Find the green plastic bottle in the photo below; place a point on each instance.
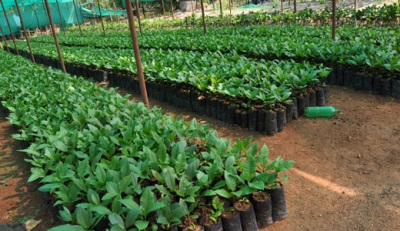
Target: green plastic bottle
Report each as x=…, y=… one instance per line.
x=316, y=112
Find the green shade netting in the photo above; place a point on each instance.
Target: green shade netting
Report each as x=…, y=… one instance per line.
x=34, y=14
x=88, y=13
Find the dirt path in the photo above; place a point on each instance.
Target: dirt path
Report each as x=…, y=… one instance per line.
x=19, y=201
x=346, y=176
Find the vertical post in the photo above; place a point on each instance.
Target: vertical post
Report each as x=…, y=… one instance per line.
x=355, y=4
x=333, y=19
x=101, y=18
x=295, y=5
x=172, y=9
x=9, y=27
x=136, y=50
x=138, y=16
x=204, y=19
x=77, y=17
x=61, y=19
x=191, y=4
x=47, y=16
x=220, y=6
x=115, y=10
x=109, y=14
x=25, y=32
x=230, y=7
x=55, y=36
x=163, y=8
x=4, y=39
x=37, y=17
x=281, y=6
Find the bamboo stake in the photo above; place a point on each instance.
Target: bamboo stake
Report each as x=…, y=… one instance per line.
x=101, y=18
x=172, y=9
x=204, y=19
x=61, y=20
x=55, y=36
x=25, y=32
x=115, y=10
x=333, y=19
x=163, y=8
x=136, y=50
x=9, y=27
x=77, y=17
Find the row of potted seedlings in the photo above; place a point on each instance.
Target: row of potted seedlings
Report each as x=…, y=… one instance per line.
x=375, y=82
x=243, y=112
x=111, y=163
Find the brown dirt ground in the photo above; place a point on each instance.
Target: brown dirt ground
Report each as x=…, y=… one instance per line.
x=346, y=176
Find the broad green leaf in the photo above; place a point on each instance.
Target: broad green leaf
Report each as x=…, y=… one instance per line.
x=67, y=228
x=141, y=225
x=60, y=145
x=84, y=217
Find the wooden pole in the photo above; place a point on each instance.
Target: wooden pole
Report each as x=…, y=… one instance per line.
x=37, y=17
x=136, y=50
x=230, y=7
x=138, y=17
x=9, y=27
x=101, y=18
x=282, y=6
x=115, y=10
x=61, y=20
x=333, y=19
x=4, y=39
x=55, y=36
x=204, y=19
x=163, y=8
x=25, y=32
x=77, y=17
x=172, y=9
x=220, y=6
x=355, y=4
x=111, y=18
x=295, y=5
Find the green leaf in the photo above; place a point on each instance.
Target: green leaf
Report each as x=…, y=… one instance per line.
x=67, y=228
x=84, y=217
x=60, y=145
x=169, y=178
x=93, y=197
x=147, y=202
x=132, y=216
x=102, y=210
x=65, y=215
x=129, y=202
x=230, y=181
x=141, y=225
x=249, y=167
x=223, y=193
x=116, y=219
x=36, y=173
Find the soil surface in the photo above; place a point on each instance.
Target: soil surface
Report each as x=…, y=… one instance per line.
x=346, y=176
x=20, y=201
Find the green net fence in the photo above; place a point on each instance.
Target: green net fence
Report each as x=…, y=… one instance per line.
x=64, y=12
